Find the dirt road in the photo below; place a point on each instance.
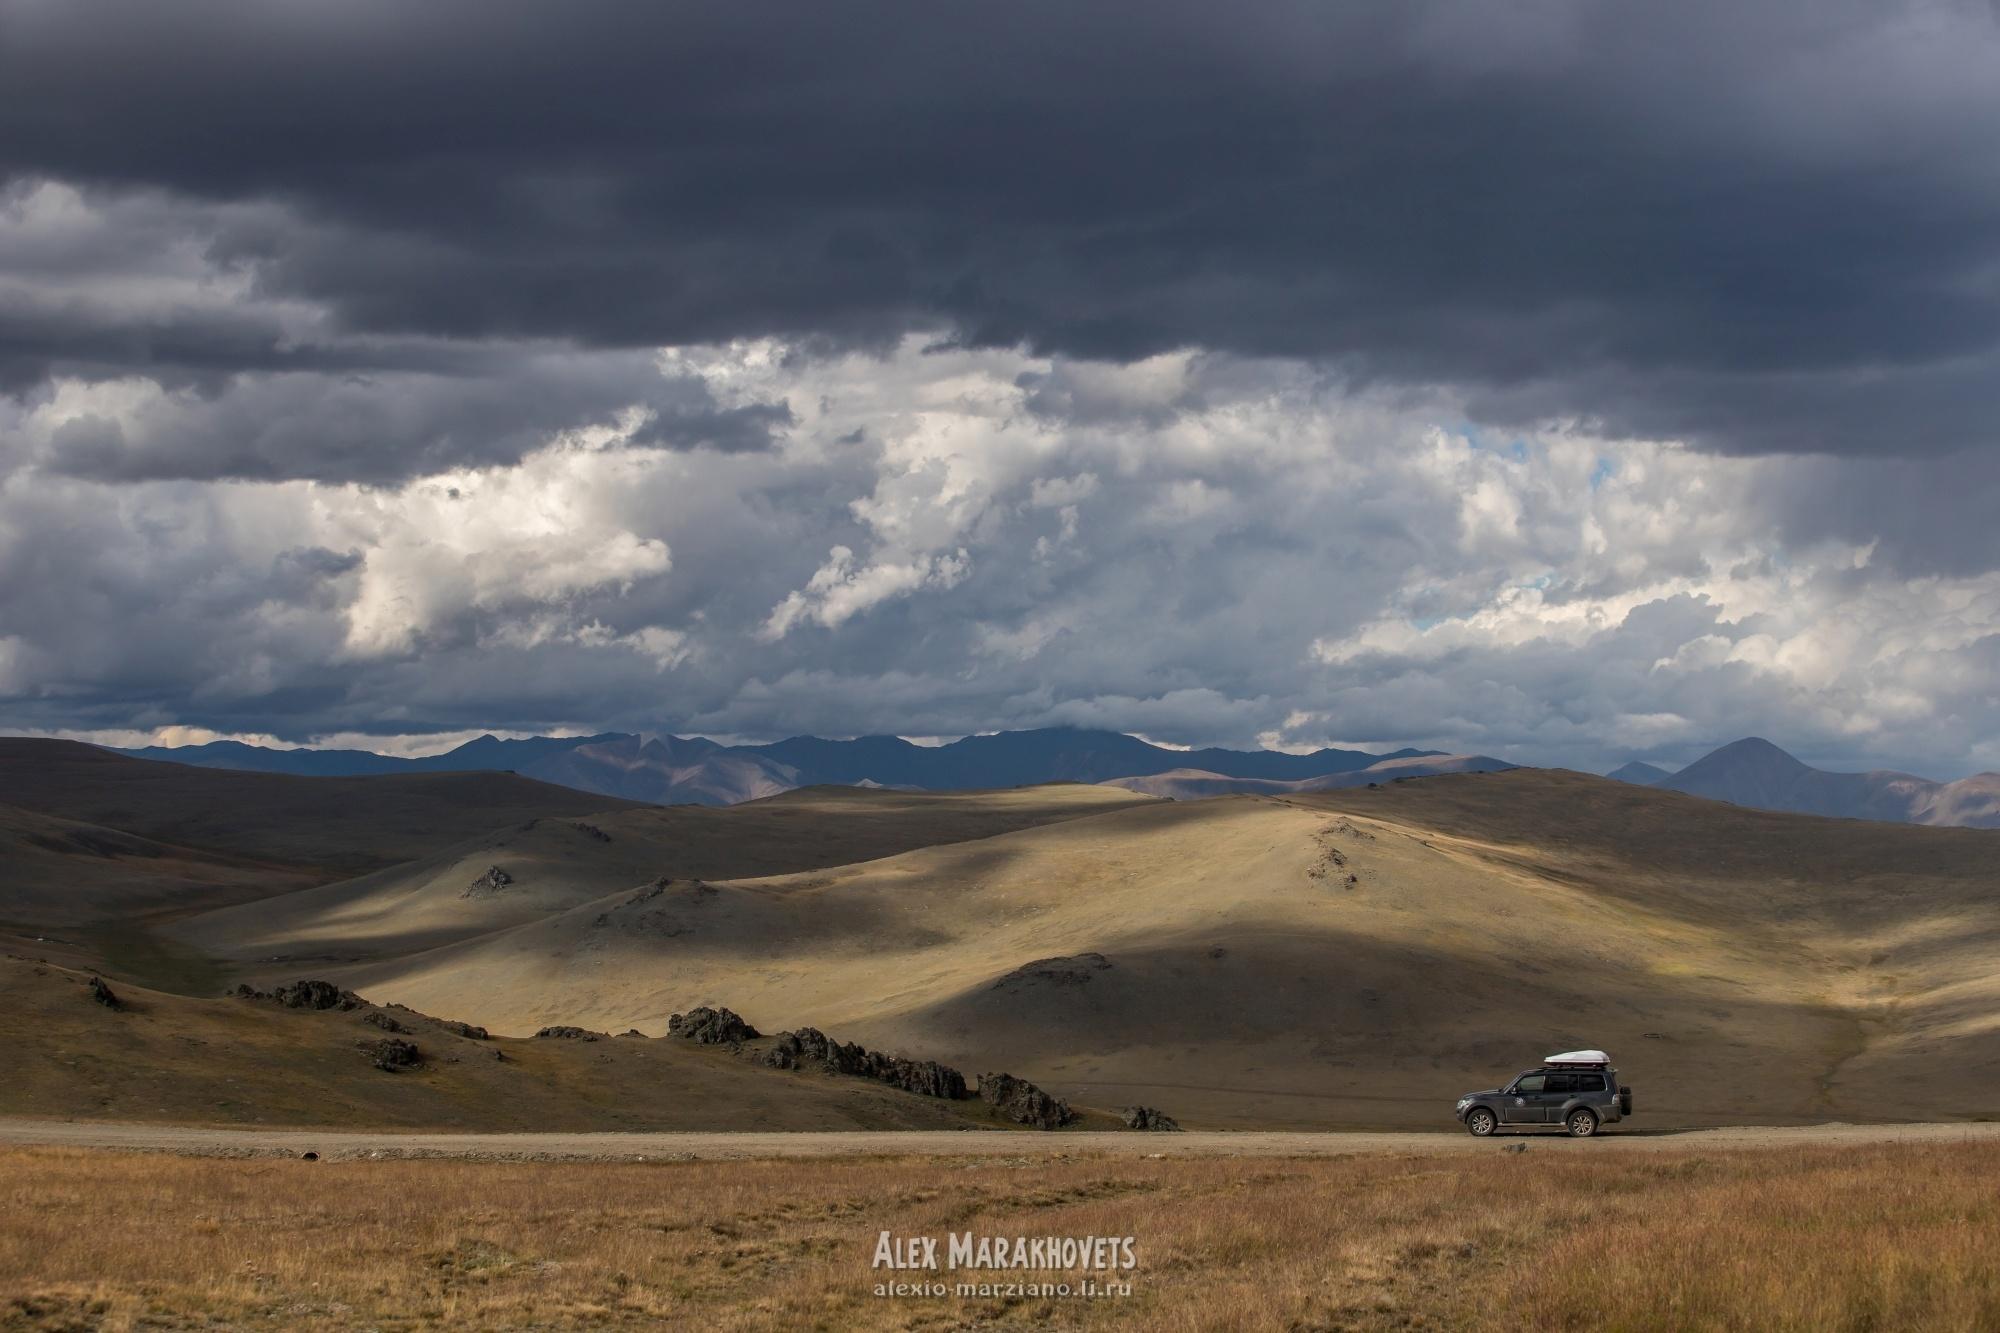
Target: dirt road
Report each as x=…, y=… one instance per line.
x=336, y=1144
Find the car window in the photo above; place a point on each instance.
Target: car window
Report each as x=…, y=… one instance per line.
x=1590, y=1083
x=1560, y=1083
x=1530, y=1083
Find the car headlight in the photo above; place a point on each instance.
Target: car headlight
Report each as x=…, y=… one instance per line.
x=1464, y=1102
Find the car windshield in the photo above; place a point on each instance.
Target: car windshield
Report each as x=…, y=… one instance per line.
x=1518, y=1077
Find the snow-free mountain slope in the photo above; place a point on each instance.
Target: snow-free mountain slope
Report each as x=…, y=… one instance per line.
x=1756, y=773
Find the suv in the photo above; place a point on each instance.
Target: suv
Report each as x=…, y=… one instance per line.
x=1578, y=1090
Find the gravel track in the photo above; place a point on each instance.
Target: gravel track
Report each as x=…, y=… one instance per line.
x=336, y=1144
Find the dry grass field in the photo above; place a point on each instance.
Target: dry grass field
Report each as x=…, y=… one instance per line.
x=1876, y=1238
x=1341, y=960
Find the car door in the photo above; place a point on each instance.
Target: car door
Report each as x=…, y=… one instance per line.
x=1523, y=1104
x=1557, y=1091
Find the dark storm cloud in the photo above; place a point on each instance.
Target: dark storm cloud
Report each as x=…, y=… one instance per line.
x=1763, y=228
x=380, y=426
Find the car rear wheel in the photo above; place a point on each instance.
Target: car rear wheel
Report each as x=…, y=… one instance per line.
x=1581, y=1123
x=1481, y=1123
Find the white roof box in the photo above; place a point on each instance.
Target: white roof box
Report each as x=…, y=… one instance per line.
x=1579, y=1058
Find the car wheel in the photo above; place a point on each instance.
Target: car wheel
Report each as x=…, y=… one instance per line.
x=1581, y=1123
x=1481, y=1122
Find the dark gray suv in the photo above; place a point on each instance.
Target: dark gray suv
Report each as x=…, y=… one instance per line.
x=1578, y=1092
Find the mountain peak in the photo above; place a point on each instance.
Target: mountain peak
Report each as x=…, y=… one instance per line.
x=1752, y=756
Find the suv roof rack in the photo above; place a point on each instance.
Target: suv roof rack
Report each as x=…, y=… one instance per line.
x=1572, y=1058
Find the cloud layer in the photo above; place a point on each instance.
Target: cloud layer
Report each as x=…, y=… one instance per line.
x=1566, y=382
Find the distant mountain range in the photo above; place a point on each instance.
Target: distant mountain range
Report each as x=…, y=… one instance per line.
x=1189, y=784
x=1753, y=772
x=664, y=769
x=679, y=770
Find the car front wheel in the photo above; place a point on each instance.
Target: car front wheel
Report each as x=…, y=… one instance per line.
x=1481, y=1122
x=1582, y=1124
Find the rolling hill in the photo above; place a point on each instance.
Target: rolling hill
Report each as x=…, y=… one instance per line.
x=331, y=825
x=61, y=873
x=232, y=1061
x=527, y=872
x=1349, y=957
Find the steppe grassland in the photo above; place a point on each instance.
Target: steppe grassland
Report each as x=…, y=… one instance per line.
x=1855, y=1238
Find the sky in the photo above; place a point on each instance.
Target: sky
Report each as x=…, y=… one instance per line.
x=1565, y=381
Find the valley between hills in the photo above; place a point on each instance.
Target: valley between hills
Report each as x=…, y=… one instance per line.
x=1342, y=958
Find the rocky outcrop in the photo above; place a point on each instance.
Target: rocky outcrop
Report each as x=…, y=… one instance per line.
x=393, y=1053
x=591, y=831
x=1076, y=970
x=470, y=1031
x=1022, y=1102
x=711, y=1027
x=377, y=1018
x=305, y=995
x=1150, y=1119
x=493, y=881
x=926, y=1078
x=563, y=1032
x=103, y=994
x=809, y=1048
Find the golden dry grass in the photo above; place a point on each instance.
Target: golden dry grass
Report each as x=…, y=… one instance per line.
x=1347, y=959
x=1878, y=1238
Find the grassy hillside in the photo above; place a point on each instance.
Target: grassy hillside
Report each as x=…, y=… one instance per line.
x=333, y=826
x=62, y=873
x=231, y=1061
x=547, y=866
x=1352, y=957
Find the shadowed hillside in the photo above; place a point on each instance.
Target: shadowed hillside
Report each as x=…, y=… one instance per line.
x=235, y=1061
x=1350, y=957
x=527, y=872
x=343, y=825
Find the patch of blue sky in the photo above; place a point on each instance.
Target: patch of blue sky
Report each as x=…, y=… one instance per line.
x=1512, y=447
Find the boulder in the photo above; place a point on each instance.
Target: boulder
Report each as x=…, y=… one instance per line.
x=926, y=1078
x=1022, y=1102
x=710, y=1027
x=381, y=1020
x=566, y=1033
x=393, y=1053
x=103, y=994
x=1150, y=1119
x=493, y=881
x=1073, y=970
